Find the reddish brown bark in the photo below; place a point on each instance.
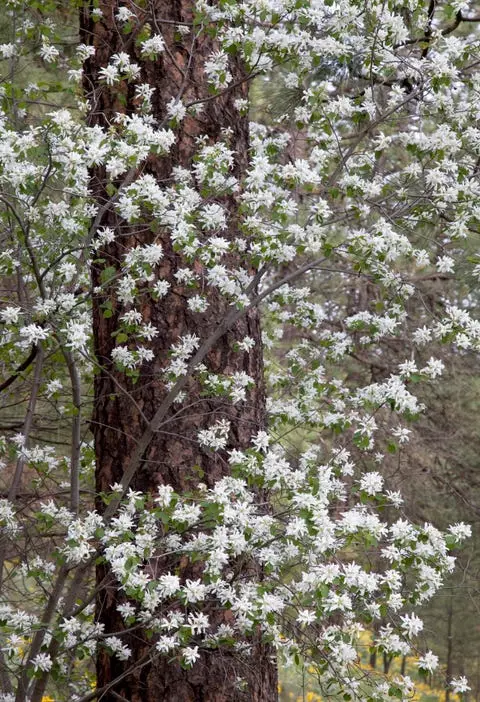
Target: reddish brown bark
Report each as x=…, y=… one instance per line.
x=173, y=456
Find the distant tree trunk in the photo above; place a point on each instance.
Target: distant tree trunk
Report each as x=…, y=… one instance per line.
x=373, y=651
x=449, y=671
x=174, y=456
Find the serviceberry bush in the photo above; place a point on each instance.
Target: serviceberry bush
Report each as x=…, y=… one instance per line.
x=161, y=257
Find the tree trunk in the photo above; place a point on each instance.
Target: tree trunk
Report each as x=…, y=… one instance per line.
x=449, y=669
x=174, y=456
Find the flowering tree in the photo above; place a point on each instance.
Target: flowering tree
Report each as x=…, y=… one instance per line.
x=193, y=527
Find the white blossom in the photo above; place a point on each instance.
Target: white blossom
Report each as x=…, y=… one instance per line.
x=459, y=685
x=43, y=662
x=190, y=654
x=428, y=662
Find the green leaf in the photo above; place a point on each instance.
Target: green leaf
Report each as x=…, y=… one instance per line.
x=107, y=275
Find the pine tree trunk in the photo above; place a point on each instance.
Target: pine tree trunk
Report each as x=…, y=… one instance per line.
x=174, y=456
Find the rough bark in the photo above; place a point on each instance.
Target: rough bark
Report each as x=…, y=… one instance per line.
x=174, y=456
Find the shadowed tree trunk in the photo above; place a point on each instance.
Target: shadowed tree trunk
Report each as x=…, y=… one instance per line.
x=449, y=669
x=173, y=456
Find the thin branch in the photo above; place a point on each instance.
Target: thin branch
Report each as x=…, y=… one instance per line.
x=22, y=367
x=27, y=425
x=76, y=432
